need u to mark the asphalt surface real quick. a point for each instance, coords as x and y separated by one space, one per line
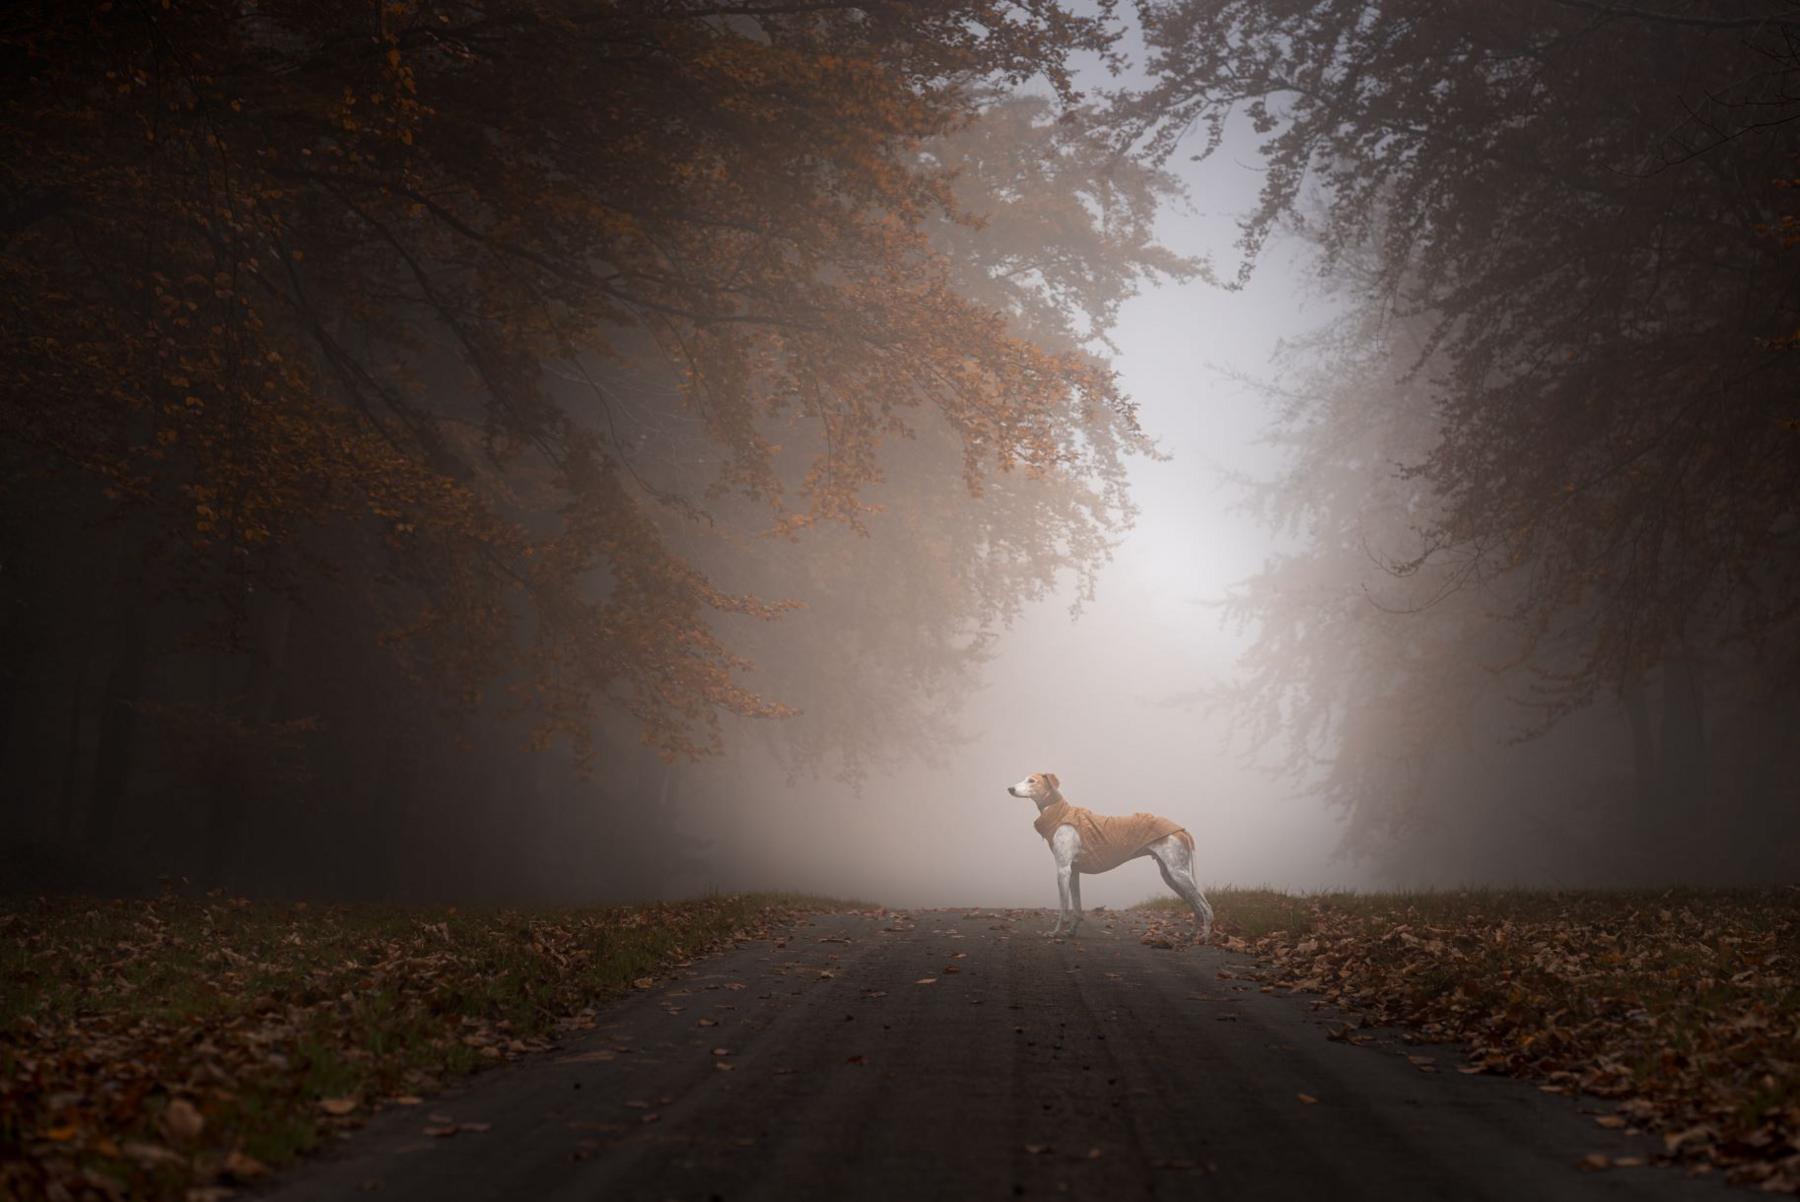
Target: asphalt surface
824 1068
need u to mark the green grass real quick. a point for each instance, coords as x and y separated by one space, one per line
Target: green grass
1249 913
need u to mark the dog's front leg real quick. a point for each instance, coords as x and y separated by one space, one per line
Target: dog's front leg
1065 875
1066 845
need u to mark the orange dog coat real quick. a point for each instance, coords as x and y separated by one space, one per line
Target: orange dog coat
1106 842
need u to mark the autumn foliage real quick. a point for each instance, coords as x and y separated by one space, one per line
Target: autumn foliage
391 387
345 287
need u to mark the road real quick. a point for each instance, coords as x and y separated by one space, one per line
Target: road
960 1055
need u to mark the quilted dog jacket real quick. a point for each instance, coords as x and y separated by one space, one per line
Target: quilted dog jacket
1106 842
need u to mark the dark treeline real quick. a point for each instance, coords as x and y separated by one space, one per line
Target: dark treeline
426 427
1546 466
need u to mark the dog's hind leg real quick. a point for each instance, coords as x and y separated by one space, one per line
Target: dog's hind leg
1075 897
1176 862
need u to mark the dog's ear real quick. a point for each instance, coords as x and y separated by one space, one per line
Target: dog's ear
1051 777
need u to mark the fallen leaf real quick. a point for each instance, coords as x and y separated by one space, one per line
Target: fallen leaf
1675 1139
181 1122
338 1106
926 981
152 1155
1307 1098
241 1166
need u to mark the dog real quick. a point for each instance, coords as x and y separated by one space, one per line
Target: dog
1083 841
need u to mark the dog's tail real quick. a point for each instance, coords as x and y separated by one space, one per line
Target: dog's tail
1186 838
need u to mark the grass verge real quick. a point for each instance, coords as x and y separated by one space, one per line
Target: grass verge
1681 1006
176 1049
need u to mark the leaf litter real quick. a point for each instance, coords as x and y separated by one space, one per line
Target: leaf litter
1679 1007
172 1049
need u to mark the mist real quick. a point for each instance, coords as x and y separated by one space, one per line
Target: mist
1385 505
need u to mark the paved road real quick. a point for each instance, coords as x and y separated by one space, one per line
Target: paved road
1099 1068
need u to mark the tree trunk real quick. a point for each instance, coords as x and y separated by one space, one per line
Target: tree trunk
1684 767
243 771
118 720
396 783
1635 699
71 774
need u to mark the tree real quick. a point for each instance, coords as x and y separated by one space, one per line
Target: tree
1545 468
278 271
1580 199
619 371
899 618
1395 688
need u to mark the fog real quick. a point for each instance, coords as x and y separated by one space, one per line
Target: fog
1373 453
1106 698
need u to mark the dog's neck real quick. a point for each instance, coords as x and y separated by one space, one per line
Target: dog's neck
1055 798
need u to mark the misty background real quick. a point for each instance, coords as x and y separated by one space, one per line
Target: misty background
1271 650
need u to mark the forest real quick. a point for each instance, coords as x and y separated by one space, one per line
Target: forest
444 439
574 535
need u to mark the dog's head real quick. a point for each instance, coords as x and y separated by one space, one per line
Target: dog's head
1037 786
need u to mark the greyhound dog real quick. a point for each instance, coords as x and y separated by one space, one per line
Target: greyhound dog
1083 841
